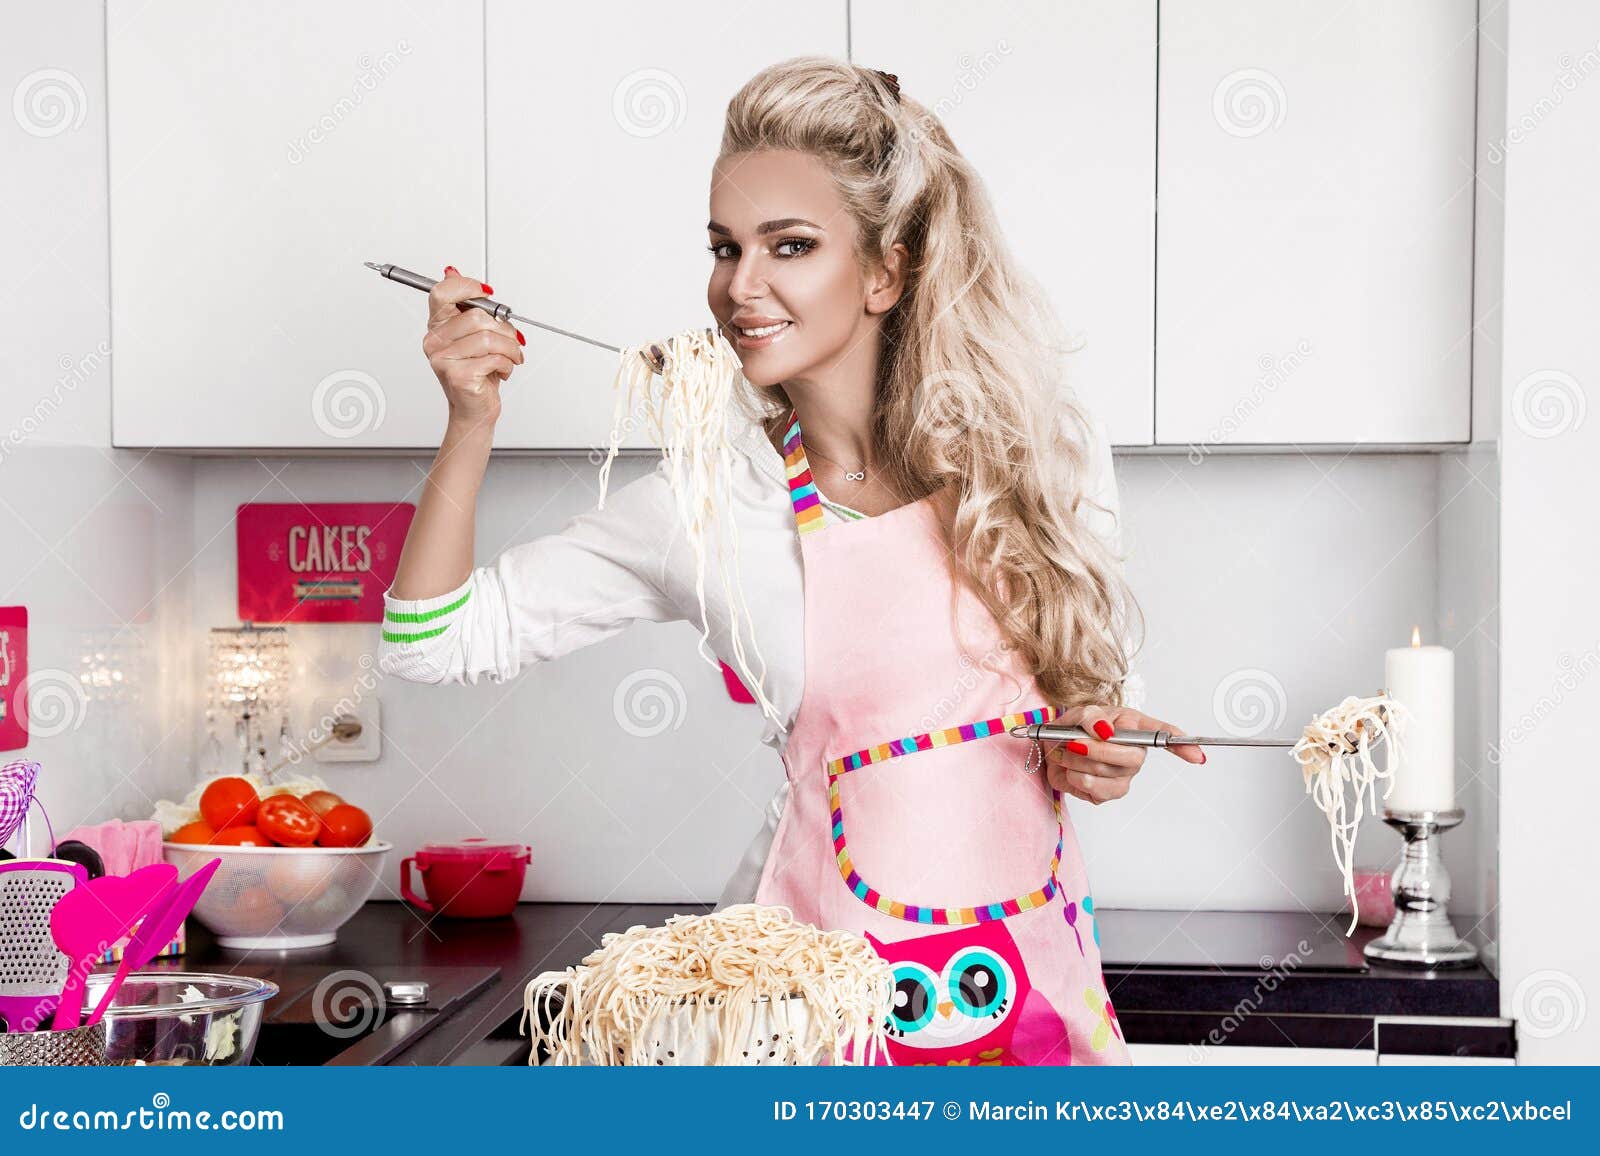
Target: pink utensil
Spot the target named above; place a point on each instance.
(156, 931)
(92, 917)
(32, 968)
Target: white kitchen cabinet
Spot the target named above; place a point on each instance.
(1314, 236)
(603, 123)
(1055, 105)
(258, 155)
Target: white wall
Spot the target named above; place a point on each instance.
(1550, 617)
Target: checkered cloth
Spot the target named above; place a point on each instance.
(16, 794)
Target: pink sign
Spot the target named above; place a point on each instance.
(318, 561)
(13, 669)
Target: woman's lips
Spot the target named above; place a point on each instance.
(759, 337)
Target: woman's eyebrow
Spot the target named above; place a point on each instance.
(765, 227)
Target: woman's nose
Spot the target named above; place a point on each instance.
(749, 279)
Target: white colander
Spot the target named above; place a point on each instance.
(280, 897)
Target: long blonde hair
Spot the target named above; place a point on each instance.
(969, 394)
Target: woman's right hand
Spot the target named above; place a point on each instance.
(469, 351)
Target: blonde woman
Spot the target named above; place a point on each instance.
(928, 542)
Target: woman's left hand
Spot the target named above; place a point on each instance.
(1097, 771)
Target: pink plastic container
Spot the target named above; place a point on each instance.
(1374, 898)
(472, 879)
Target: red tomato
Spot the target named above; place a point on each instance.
(321, 801)
(197, 832)
(287, 821)
(345, 826)
(229, 802)
(239, 837)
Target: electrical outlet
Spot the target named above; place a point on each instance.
(364, 748)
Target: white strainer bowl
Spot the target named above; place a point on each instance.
(279, 897)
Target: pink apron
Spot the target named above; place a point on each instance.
(912, 816)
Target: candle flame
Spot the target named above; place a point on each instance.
(1416, 636)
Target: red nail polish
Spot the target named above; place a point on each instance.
(452, 270)
(1076, 747)
(1103, 728)
(487, 288)
(521, 340)
(1202, 756)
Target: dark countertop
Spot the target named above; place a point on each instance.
(1249, 977)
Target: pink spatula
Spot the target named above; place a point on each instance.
(90, 918)
(156, 931)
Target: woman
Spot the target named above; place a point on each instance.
(916, 462)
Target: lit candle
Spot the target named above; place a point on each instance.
(1422, 679)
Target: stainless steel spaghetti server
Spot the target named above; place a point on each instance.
(1060, 732)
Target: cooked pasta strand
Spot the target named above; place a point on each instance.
(1336, 749)
(700, 374)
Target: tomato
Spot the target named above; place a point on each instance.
(287, 821)
(229, 802)
(297, 879)
(345, 826)
(197, 832)
(321, 801)
(239, 837)
(255, 912)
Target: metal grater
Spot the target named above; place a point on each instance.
(32, 970)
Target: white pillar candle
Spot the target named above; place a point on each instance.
(1422, 679)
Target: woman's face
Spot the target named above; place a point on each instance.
(785, 283)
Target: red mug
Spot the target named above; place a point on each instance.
(472, 879)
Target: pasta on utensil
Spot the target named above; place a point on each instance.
(700, 374)
(698, 989)
(1335, 753)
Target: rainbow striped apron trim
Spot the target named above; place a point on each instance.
(802, 489)
(922, 913)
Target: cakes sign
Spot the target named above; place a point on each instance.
(318, 561)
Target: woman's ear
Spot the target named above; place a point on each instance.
(888, 279)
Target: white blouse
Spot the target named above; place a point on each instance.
(608, 568)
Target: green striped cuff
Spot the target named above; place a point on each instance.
(420, 617)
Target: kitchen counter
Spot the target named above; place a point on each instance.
(1281, 979)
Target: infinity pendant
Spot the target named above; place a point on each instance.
(860, 476)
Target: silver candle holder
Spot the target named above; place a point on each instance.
(1421, 933)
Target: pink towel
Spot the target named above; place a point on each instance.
(123, 847)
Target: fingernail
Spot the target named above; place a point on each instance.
(1202, 756)
(1103, 728)
(452, 270)
(1077, 748)
(487, 288)
(521, 340)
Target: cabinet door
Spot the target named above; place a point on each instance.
(1054, 104)
(603, 123)
(1314, 237)
(258, 155)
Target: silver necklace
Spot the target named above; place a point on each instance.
(849, 475)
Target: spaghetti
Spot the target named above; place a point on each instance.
(744, 985)
(1334, 751)
(689, 418)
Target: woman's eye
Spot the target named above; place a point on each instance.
(799, 245)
